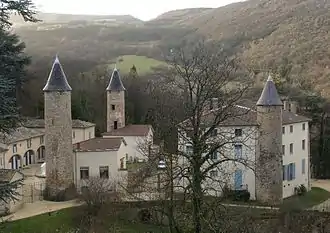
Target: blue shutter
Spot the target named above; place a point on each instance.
(289, 171)
(303, 166)
(294, 171)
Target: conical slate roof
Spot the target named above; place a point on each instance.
(269, 95)
(115, 83)
(57, 80)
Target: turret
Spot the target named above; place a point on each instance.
(115, 102)
(58, 132)
(269, 170)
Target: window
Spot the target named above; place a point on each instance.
(42, 138)
(14, 148)
(214, 155)
(284, 172)
(113, 107)
(84, 173)
(74, 134)
(122, 163)
(303, 166)
(303, 144)
(28, 143)
(291, 171)
(283, 130)
(89, 135)
(303, 126)
(189, 150)
(214, 173)
(238, 151)
(238, 133)
(291, 128)
(283, 149)
(115, 125)
(104, 172)
(214, 133)
(291, 148)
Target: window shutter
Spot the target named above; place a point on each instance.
(294, 171)
(288, 172)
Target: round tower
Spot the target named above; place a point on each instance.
(269, 170)
(115, 102)
(58, 132)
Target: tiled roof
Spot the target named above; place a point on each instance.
(19, 134)
(245, 116)
(115, 83)
(99, 144)
(57, 80)
(6, 175)
(40, 123)
(130, 130)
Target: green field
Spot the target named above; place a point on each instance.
(63, 222)
(143, 64)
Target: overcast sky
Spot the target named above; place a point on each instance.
(142, 9)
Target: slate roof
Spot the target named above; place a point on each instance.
(57, 80)
(246, 116)
(99, 144)
(19, 134)
(40, 123)
(269, 95)
(115, 83)
(130, 130)
(6, 175)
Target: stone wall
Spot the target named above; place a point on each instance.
(58, 141)
(116, 98)
(269, 170)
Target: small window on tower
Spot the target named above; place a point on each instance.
(113, 107)
(115, 125)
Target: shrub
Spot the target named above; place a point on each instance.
(144, 216)
(300, 190)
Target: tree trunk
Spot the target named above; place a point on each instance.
(197, 198)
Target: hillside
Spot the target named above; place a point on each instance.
(266, 34)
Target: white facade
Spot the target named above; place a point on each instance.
(235, 174)
(137, 146)
(94, 162)
(298, 156)
(82, 134)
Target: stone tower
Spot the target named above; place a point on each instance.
(269, 170)
(58, 131)
(115, 102)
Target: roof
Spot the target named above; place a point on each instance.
(246, 116)
(99, 144)
(57, 80)
(3, 149)
(269, 95)
(115, 83)
(130, 130)
(19, 134)
(6, 175)
(40, 123)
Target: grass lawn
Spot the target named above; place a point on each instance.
(143, 64)
(310, 199)
(62, 221)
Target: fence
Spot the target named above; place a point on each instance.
(33, 192)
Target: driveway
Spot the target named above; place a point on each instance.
(40, 207)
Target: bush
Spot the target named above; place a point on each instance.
(236, 195)
(300, 190)
(144, 216)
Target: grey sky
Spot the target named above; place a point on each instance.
(143, 9)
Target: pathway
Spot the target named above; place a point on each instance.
(324, 184)
(40, 207)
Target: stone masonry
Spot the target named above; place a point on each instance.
(269, 164)
(269, 174)
(116, 98)
(58, 141)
